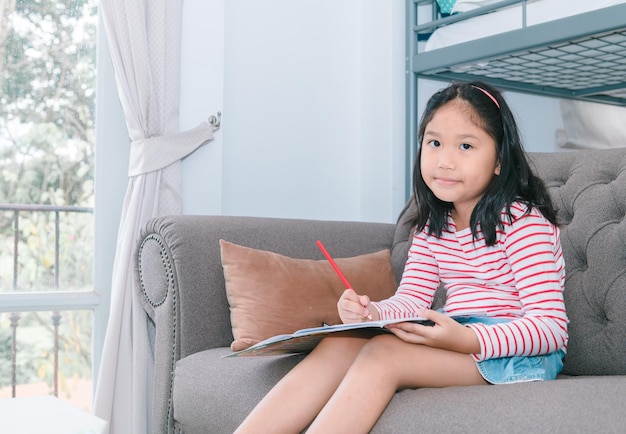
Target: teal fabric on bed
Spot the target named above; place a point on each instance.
(445, 6)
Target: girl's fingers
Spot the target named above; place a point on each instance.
(353, 307)
(407, 332)
(434, 316)
(365, 301)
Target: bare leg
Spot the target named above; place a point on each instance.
(385, 365)
(299, 396)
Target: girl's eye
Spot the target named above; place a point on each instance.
(465, 146)
(434, 143)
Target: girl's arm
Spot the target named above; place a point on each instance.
(533, 247)
(419, 282)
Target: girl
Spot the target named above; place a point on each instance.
(485, 229)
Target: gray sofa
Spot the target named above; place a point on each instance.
(196, 390)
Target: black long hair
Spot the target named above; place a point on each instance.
(516, 181)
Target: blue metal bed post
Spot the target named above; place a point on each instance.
(412, 7)
(411, 95)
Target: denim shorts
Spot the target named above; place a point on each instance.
(516, 369)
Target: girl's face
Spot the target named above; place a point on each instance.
(458, 158)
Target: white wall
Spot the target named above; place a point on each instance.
(313, 106)
(538, 118)
(202, 95)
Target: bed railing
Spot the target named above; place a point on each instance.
(437, 21)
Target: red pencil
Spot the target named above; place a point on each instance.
(334, 264)
(337, 269)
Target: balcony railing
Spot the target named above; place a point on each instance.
(16, 302)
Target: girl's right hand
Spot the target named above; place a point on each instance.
(355, 308)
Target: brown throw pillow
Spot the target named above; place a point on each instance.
(271, 294)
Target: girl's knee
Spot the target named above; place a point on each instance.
(380, 346)
(339, 346)
(390, 350)
(377, 361)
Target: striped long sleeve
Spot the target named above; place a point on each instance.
(520, 278)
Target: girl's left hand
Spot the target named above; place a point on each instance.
(446, 333)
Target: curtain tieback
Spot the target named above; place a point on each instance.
(155, 153)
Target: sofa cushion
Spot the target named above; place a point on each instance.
(271, 294)
(587, 189)
(214, 394)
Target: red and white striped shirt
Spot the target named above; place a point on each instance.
(521, 277)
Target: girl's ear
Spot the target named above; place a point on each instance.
(497, 171)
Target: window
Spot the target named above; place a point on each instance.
(47, 145)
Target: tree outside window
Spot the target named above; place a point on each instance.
(47, 144)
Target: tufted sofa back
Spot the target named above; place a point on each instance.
(588, 189)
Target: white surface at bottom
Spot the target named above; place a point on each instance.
(46, 415)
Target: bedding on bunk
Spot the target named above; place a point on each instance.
(588, 125)
(468, 5)
(509, 18)
(445, 6)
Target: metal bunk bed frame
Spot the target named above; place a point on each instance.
(580, 57)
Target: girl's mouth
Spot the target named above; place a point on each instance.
(446, 181)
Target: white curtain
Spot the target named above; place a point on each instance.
(144, 43)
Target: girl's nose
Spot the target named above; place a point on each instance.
(445, 159)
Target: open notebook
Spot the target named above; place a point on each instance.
(303, 341)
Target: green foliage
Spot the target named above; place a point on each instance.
(35, 348)
(48, 103)
(47, 147)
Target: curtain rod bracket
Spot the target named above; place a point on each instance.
(215, 121)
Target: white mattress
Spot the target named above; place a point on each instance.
(510, 18)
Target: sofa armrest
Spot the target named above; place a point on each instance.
(180, 281)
